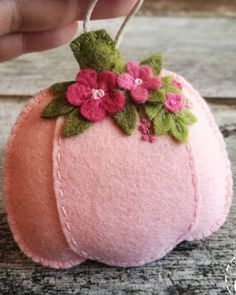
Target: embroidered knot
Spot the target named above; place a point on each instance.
(97, 93)
(138, 82)
(145, 128)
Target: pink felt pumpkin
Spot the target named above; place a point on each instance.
(78, 187)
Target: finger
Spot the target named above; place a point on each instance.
(29, 15)
(16, 44)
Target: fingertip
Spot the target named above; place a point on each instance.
(40, 41)
(13, 45)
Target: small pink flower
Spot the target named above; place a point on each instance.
(177, 84)
(174, 102)
(95, 94)
(139, 81)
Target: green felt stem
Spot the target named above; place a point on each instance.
(96, 50)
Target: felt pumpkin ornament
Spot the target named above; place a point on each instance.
(119, 166)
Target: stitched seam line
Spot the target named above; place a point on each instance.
(39, 98)
(112, 262)
(215, 130)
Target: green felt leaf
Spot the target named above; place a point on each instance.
(152, 110)
(127, 118)
(156, 96)
(166, 81)
(97, 50)
(75, 124)
(59, 89)
(167, 86)
(57, 107)
(155, 62)
(179, 131)
(162, 123)
(186, 117)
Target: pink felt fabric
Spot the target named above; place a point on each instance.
(108, 214)
(120, 200)
(213, 169)
(29, 195)
(110, 197)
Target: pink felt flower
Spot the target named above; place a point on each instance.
(95, 94)
(139, 81)
(174, 102)
(177, 84)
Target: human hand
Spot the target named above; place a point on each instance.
(30, 25)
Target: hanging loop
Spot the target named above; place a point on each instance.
(119, 36)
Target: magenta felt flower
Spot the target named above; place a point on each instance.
(95, 94)
(174, 102)
(139, 81)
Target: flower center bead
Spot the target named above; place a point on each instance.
(138, 82)
(97, 93)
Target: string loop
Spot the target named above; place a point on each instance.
(119, 36)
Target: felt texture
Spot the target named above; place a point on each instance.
(60, 88)
(122, 198)
(138, 80)
(95, 94)
(168, 110)
(59, 105)
(106, 196)
(112, 223)
(145, 128)
(126, 119)
(176, 124)
(97, 50)
(75, 124)
(155, 62)
(29, 196)
(100, 91)
(174, 102)
(213, 167)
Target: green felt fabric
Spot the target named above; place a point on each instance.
(155, 62)
(179, 131)
(59, 89)
(164, 122)
(75, 124)
(186, 117)
(96, 50)
(57, 107)
(127, 119)
(157, 96)
(152, 110)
